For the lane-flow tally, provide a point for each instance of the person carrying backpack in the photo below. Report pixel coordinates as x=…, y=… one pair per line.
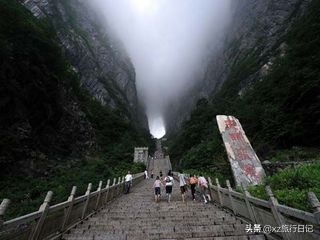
x=169, y=184
x=193, y=182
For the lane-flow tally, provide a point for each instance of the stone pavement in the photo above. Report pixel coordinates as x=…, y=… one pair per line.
x=136, y=216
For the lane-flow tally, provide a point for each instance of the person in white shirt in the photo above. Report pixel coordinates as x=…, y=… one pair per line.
x=203, y=185
x=183, y=185
x=157, y=189
x=146, y=174
x=169, y=184
x=127, y=182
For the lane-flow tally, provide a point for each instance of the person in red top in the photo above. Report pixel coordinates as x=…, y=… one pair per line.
x=193, y=182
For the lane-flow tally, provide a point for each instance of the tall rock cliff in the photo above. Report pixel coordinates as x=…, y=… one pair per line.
x=267, y=75
x=256, y=30
x=102, y=63
x=257, y=26
x=47, y=119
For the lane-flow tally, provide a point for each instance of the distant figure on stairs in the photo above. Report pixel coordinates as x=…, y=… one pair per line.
x=161, y=175
x=146, y=174
x=157, y=189
x=151, y=173
x=127, y=182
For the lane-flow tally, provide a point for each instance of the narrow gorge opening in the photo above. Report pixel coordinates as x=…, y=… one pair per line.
x=169, y=43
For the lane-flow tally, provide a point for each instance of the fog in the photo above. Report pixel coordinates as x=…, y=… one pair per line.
x=167, y=42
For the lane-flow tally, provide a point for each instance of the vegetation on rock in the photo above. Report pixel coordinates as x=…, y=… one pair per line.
x=291, y=186
x=279, y=111
x=53, y=134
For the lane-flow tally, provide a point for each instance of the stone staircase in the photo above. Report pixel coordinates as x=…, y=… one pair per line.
x=136, y=216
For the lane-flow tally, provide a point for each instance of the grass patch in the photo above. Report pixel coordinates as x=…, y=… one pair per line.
x=290, y=186
x=27, y=194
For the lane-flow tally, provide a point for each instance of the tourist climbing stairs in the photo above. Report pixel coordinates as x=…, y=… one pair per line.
x=137, y=216
x=107, y=213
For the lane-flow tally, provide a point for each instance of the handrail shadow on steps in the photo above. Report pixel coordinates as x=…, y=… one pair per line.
x=50, y=222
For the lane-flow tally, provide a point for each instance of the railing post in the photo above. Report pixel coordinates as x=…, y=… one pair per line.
x=99, y=196
x=107, y=193
x=3, y=207
x=219, y=193
x=119, y=186
x=249, y=208
x=44, y=208
x=210, y=184
x=231, y=198
x=114, y=181
x=87, y=201
x=122, y=185
x=315, y=205
x=113, y=188
x=69, y=209
x=274, y=208
x=209, y=189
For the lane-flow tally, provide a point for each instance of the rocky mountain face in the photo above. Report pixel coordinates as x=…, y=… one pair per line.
x=256, y=28
x=103, y=65
x=267, y=76
x=46, y=118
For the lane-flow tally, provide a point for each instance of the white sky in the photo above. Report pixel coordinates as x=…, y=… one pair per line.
x=167, y=41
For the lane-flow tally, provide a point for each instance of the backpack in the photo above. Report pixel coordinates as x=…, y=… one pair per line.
x=168, y=179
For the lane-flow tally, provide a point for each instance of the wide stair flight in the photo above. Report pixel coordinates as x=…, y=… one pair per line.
x=136, y=216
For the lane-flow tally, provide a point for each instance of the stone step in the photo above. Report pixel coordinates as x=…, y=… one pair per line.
x=191, y=210
x=152, y=206
x=163, y=236
x=150, y=222
x=208, y=210
x=153, y=218
x=159, y=215
x=243, y=237
x=146, y=226
x=214, y=230
x=212, y=220
x=144, y=236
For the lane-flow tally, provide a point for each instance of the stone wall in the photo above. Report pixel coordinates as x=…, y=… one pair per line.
x=141, y=155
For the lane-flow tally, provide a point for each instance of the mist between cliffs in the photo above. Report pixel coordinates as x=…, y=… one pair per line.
x=169, y=43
